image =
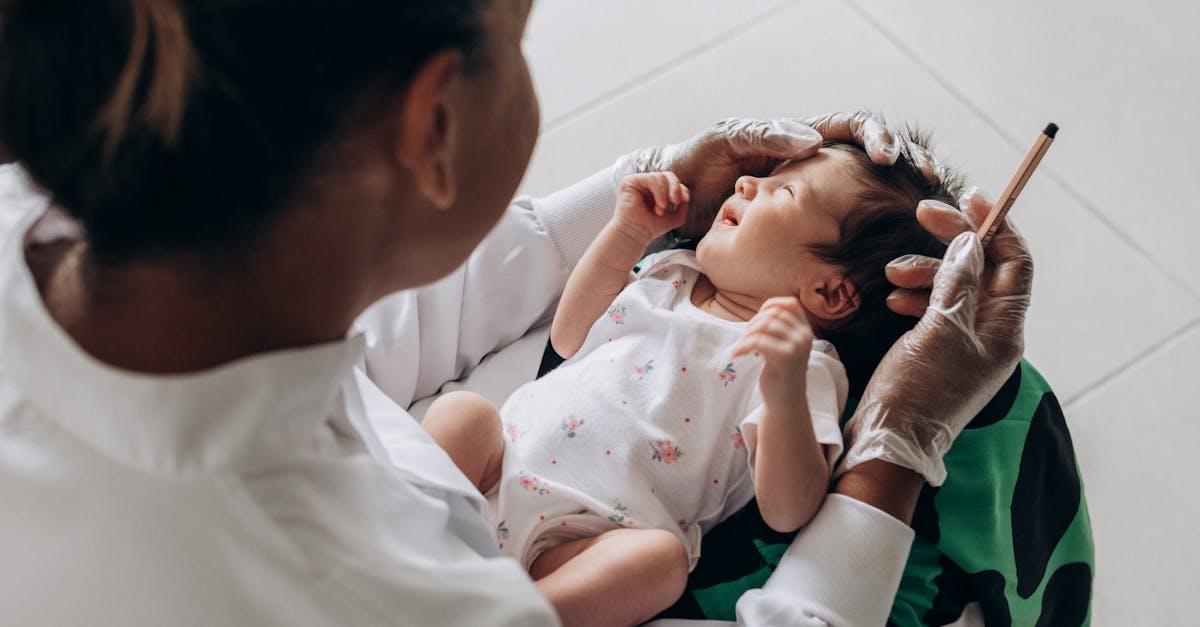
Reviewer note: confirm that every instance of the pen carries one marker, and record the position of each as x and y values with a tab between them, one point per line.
995	217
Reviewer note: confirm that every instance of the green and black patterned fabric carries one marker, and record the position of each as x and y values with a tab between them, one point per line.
1009	528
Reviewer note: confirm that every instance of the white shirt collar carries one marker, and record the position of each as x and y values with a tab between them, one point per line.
218	418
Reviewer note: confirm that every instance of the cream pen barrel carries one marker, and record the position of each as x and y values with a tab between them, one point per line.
1005	202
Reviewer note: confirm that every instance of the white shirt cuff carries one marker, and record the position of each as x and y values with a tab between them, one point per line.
843	569
574	216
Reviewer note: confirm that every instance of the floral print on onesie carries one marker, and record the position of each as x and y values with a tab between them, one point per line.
650	424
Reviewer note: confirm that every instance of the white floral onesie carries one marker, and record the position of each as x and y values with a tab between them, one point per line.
651	424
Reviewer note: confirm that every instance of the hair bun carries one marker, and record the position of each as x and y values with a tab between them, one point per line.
161	41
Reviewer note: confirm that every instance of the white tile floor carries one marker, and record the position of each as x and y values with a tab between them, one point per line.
1115	324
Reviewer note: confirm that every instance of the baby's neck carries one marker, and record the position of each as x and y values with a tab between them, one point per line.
736	307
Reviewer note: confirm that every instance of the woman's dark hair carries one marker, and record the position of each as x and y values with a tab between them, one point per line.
881	226
181	126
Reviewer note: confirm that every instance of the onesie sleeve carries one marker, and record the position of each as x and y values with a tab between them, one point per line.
827	390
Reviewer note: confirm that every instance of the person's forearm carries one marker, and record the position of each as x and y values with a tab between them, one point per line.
790	470
594	283
884	486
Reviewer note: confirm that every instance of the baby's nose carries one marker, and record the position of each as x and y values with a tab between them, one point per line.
746	186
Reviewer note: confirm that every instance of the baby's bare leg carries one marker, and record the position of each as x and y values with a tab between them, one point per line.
467	426
620	577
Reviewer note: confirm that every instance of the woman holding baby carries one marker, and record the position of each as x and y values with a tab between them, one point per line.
197	423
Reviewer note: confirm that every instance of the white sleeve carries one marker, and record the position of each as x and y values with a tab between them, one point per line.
494	592
842	570
418	549
827	388
419	339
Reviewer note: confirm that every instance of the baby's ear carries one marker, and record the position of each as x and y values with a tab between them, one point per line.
832	298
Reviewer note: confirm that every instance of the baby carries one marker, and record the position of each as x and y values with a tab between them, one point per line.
702	381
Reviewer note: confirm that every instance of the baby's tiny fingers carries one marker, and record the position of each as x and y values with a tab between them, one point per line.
775	327
773	349
661	195
771	324
786	303
745	345
675	188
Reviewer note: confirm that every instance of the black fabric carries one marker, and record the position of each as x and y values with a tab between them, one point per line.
954	592
1068	596
550	361
1047	495
730	552
989	591
1001	403
925	517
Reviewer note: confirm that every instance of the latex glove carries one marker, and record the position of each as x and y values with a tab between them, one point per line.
882	144
969	339
710	162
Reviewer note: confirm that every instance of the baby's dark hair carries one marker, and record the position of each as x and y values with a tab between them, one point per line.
881	226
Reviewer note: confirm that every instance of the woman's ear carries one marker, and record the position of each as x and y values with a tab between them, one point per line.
427	140
831	298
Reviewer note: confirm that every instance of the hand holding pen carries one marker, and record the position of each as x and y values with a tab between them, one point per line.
969	339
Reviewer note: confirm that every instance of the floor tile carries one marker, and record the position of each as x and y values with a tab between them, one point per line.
1136	438
1097	302
1119	77
579	51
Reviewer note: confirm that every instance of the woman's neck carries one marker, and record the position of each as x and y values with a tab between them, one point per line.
163	319
724	305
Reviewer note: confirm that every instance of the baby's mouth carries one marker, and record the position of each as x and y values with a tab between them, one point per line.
728	216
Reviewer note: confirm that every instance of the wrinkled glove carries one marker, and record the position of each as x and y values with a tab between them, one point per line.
969	339
710	162
882	144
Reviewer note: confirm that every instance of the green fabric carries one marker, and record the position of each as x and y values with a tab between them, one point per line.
1009	529
974	533
717	602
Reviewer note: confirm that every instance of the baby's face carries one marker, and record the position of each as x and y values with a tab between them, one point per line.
758	242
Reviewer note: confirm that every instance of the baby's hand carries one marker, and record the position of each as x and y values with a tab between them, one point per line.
781	334
644	204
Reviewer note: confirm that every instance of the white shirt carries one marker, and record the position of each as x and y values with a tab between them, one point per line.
287	489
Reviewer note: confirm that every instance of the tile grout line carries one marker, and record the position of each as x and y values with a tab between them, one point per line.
612	94
1069	404
1015	143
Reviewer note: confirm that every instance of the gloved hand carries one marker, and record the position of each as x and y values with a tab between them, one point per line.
969	339
882	144
710	162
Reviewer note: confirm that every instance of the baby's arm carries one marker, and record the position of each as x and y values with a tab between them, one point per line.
641	215
791	474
